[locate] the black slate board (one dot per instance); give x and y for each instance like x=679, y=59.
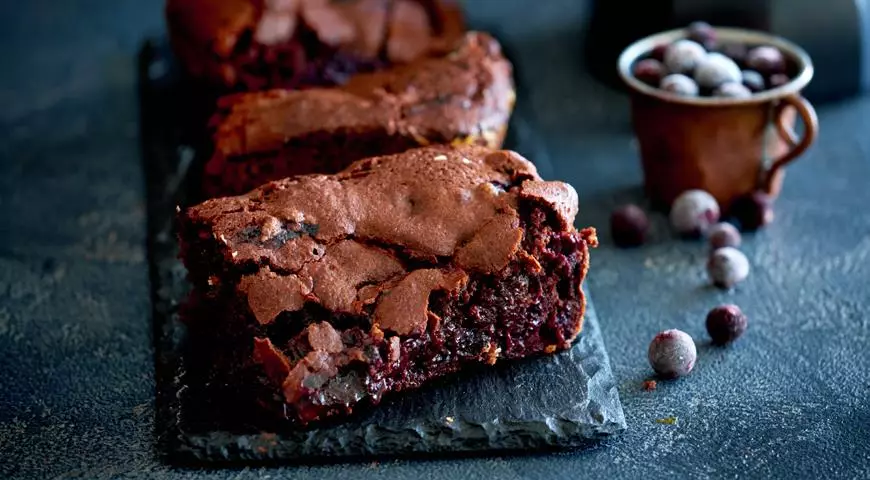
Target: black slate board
x=563, y=401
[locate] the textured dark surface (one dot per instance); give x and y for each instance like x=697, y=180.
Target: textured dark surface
x=790, y=399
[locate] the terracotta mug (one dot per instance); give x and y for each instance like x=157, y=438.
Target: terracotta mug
x=728, y=147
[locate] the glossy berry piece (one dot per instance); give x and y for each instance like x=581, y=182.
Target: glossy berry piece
x=765, y=60
x=658, y=53
x=724, y=235
x=679, y=84
x=753, y=211
x=650, y=71
x=702, y=33
x=732, y=90
x=727, y=267
x=694, y=212
x=716, y=69
x=629, y=226
x=725, y=324
x=672, y=353
x=777, y=80
x=753, y=80
x=735, y=51
x=683, y=56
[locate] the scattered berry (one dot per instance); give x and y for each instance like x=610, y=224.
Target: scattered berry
x=679, y=84
x=735, y=51
x=753, y=80
x=658, y=53
x=727, y=267
x=716, y=69
x=683, y=55
x=703, y=33
x=753, y=211
x=650, y=385
x=765, y=60
x=732, y=90
x=649, y=71
x=629, y=226
x=694, y=212
x=777, y=80
x=672, y=353
x=725, y=324
x=724, y=235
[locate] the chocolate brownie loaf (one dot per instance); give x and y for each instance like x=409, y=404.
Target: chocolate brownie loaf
x=332, y=290
x=465, y=97
x=258, y=44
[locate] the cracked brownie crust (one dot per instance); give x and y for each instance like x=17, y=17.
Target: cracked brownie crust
x=328, y=291
x=465, y=97
x=245, y=45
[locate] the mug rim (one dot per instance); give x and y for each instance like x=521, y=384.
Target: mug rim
x=645, y=45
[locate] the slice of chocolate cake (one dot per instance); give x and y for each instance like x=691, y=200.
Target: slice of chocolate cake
x=245, y=45
x=328, y=291
x=465, y=97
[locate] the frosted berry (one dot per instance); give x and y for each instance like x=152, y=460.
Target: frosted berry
x=658, y=53
x=672, y=353
x=724, y=235
x=765, y=60
x=753, y=211
x=753, y=80
x=703, y=33
x=694, y=212
x=725, y=324
x=683, y=56
x=629, y=226
x=777, y=80
x=716, y=69
x=649, y=71
x=679, y=84
x=732, y=90
x=727, y=267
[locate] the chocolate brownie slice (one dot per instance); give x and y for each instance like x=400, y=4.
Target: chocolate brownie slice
x=333, y=290
x=258, y=44
x=465, y=97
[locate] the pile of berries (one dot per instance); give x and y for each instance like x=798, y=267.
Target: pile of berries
x=700, y=65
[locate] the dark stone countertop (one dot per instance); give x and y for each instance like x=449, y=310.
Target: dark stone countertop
x=792, y=398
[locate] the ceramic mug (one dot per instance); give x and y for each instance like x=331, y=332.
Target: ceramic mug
x=726, y=146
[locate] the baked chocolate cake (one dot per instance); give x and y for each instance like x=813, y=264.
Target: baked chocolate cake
x=327, y=291
x=465, y=97
x=246, y=45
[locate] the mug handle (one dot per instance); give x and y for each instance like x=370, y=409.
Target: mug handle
x=798, y=145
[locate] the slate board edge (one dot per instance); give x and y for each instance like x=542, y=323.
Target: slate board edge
x=176, y=446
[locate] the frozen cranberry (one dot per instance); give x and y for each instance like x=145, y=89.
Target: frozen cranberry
x=716, y=69
x=753, y=80
x=777, y=80
x=672, y=353
x=765, y=60
x=658, y=53
x=649, y=71
x=732, y=90
x=724, y=235
x=735, y=51
x=629, y=226
x=694, y=212
x=679, y=84
x=753, y=211
x=725, y=323
x=683, y=55
x=703, y=33
x=727, y=267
